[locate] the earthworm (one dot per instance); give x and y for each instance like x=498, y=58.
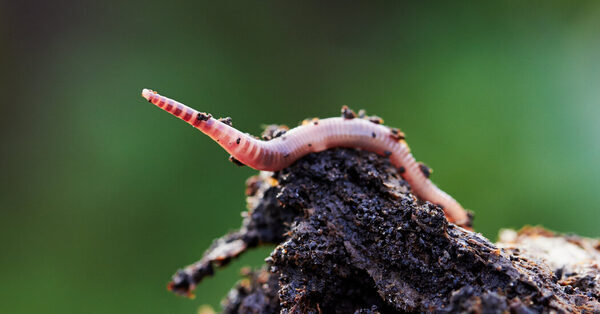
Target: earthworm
x=316, y=136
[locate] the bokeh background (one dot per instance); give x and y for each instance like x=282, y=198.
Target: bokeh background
x=104, y=196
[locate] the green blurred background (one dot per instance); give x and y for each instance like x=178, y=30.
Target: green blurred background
x=104, y=196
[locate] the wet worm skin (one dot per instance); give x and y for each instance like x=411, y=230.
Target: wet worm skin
x=317, y=136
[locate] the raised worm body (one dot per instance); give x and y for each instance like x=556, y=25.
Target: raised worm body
x=316, y=136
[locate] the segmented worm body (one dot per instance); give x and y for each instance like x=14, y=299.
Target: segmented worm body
x=316, y=136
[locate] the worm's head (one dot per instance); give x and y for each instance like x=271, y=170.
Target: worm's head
x=146, y=93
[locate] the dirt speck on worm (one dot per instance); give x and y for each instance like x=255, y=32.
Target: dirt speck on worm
x=425, y=170
x=235, y=161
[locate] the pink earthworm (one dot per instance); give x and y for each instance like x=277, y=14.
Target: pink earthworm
x=317, y=136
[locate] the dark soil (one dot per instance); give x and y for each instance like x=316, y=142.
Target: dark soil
x=351, y=238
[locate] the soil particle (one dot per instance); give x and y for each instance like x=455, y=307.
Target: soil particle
x=425, y=170
x=235, y=161
x=348, y=113
x=273, y=131
x=375, y=119
x=226, y=121
x=397, y=134
x=202, y=116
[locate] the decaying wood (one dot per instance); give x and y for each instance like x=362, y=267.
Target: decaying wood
x=351, y=238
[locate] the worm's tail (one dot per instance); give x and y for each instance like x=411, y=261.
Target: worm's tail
x=238, y=144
